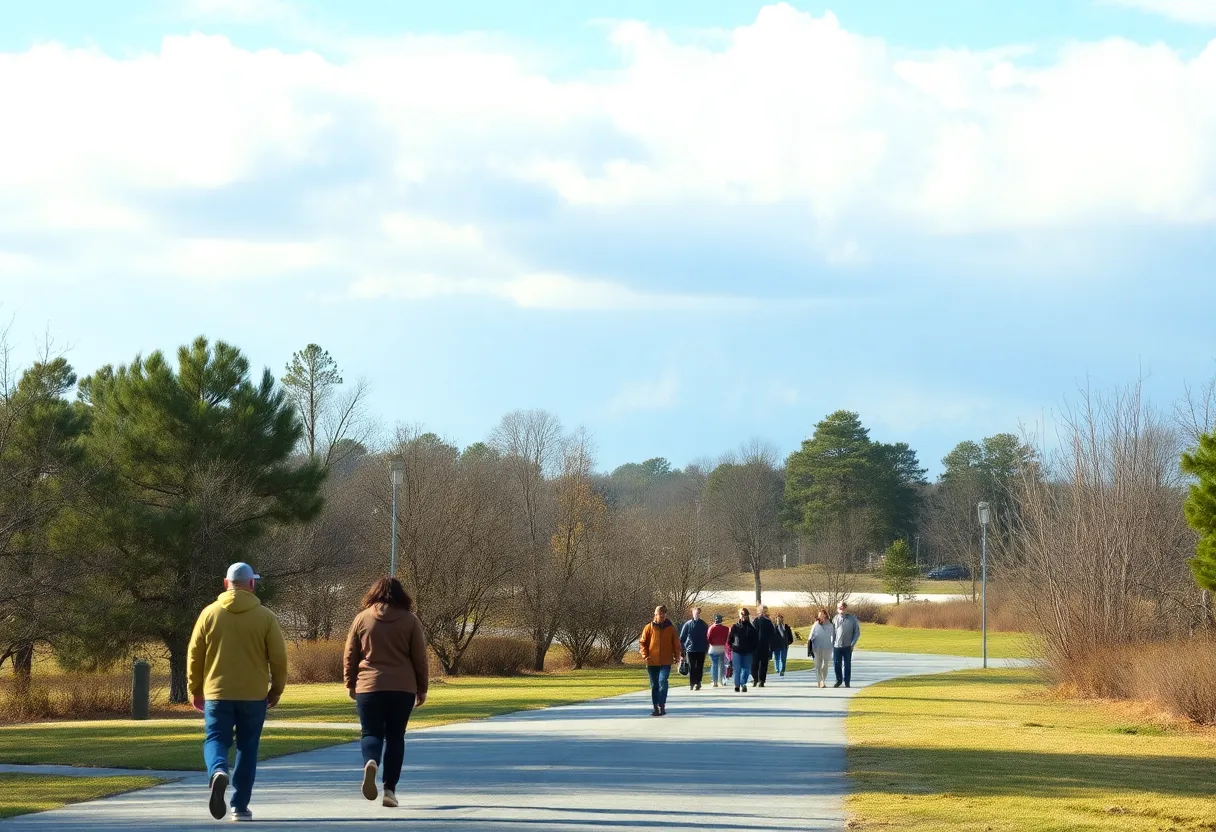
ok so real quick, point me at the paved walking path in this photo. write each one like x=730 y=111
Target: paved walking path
x=769 y=759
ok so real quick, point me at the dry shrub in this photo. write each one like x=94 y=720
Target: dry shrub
x=74 y=696
x=496 y=656
x=315 y=661
x=867 y=612
x=1177 y=676
x=956 y=615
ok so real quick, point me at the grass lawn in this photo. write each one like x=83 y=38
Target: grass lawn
x=177 y=745
x=993 y=751
x=798 y=578
x=887 y=639
x=459 y=699
x=21 y=794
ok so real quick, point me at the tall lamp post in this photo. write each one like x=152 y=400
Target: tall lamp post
x=396 y=473
x=983 y=510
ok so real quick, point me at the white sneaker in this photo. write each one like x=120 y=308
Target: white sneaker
x=369 y=779
x=242 y=816
x=390 y=798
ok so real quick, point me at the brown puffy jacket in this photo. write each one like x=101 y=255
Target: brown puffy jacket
x=659 y=644
x=385 y=650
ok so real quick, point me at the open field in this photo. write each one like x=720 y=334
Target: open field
x=799 y=578
x=994 y=750
x=885 y=638
x=21 y=794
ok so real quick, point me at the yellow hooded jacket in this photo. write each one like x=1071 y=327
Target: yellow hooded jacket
x=237 y=651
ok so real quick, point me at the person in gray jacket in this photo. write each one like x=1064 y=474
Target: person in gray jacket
x=848 y=630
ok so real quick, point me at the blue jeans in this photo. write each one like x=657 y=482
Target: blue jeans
x=221 y=717
x=743 y=666
x=844 y=664
x=717 y=667
x=779 y=657
x=658 y=683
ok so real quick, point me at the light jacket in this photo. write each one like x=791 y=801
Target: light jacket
x=237 y=651
x=658 y=644
x=694 y=635
x=848 y=630
x=385 y=650
x=822 y=637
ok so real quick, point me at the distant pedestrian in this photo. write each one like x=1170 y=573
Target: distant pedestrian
x=694 y=636
x=848 y=630
x=766 y=637
x=236 y=668
x=742 y=645
x=661 y=649
x=717 y=638
x=385 y=672
x=819 y=645
x=783 y=637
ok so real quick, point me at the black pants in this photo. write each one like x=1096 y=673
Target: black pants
x=384 y=715
x=760 y=661
x=696 y=669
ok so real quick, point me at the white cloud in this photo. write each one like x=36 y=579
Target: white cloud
x=543 y=291
x=846 y=138
x=661 y=393
x=1187 y=11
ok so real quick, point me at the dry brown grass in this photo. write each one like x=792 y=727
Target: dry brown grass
x=76 y=696
x=1179 y=677
x=315 y=661
x=497 y=656
x=956 y=615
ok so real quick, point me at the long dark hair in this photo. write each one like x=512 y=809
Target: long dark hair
x=387 y=590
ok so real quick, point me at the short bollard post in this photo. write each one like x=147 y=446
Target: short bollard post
x=141 y=689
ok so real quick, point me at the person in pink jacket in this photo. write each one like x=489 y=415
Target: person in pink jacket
x=719 y=650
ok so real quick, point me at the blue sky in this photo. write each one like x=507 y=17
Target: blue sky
x=682 y=225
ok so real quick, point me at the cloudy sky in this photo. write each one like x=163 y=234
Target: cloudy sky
x=681 y=224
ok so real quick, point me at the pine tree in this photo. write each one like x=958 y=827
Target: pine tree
x=1201 y=509
x=310 y=381
x=899 y=571
x=196 y=468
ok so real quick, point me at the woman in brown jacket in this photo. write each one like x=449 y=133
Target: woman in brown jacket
x=385 y=671
x=661 y=649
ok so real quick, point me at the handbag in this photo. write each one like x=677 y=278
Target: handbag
x=683 y=666
x=730 y=670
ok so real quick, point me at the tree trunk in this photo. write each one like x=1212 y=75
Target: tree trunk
x=23 y=668
x=756 y=579
x=178 y=646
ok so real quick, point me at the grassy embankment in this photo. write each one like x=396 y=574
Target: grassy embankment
x=997 y=751
x=21 y=794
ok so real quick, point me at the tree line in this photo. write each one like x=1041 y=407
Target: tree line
x=124 y=494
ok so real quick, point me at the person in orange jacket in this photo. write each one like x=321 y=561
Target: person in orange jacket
x=661 y=649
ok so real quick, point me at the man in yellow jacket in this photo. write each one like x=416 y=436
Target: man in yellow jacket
x=661 y=649
x=236 y=668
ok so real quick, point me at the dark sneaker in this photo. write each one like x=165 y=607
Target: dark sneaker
x=838 y=684
x=219 y=801
x=654 y=711
x=242 y=816
x=745 y=688
x=847 y=685
x=369 y=779
x=662 y=710
x=736 y=688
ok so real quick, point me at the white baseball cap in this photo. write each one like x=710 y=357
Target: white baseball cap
x=242 y=572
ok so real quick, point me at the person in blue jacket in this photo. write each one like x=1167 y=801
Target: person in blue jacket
x=694 y=635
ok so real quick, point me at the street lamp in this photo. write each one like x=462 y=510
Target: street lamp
x=396 y=473
x=984 y=514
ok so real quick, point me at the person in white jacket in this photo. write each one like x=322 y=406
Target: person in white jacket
x=819 y=645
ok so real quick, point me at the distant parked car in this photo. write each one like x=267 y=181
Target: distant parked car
x=948 y=573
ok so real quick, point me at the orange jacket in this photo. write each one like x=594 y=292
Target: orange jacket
x=659 y=644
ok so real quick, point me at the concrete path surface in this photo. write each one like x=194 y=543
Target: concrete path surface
x=771 y=759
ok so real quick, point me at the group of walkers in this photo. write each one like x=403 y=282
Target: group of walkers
x=237 y=669
x=742 y=652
